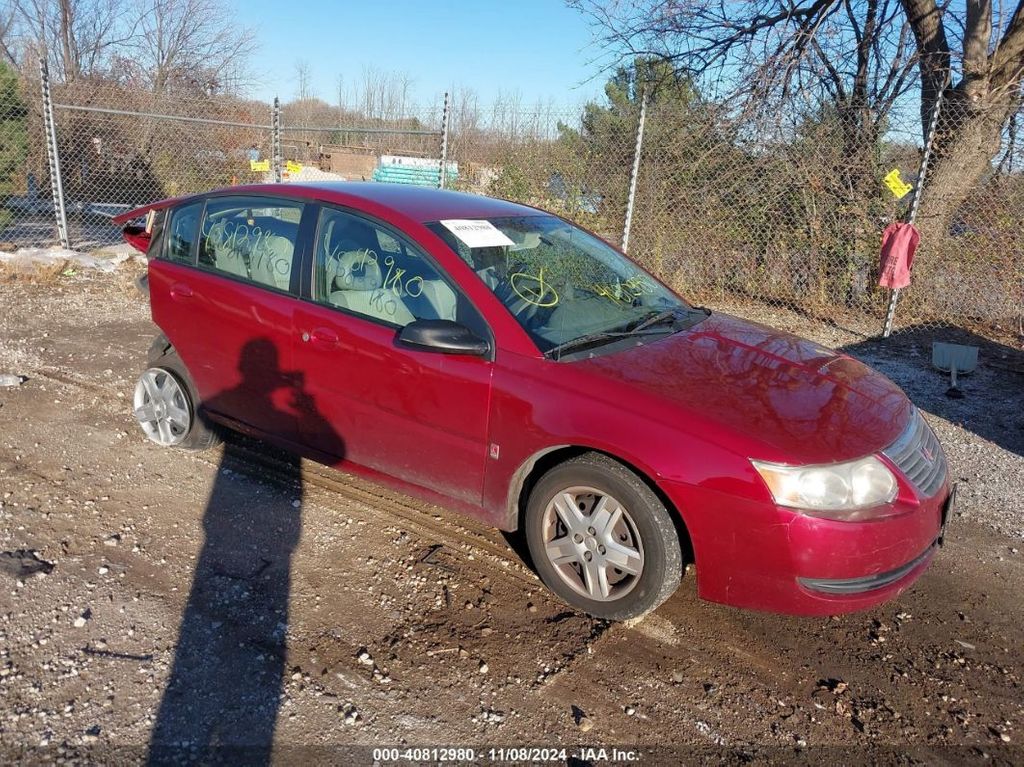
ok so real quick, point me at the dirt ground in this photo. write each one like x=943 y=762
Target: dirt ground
x=238 y=598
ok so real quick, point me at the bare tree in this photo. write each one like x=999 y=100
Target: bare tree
x=859 y=53
x=190 y=45
x=383 y=95
x=164 y=45
x=978 y=105
x=304 y=79
x=78 y=37
x=7 y=35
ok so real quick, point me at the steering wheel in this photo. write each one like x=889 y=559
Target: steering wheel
x=528 y=296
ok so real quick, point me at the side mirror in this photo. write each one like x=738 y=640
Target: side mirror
x=443 y=336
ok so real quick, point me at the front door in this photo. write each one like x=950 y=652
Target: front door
x=418 y=416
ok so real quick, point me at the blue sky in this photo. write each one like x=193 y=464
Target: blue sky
x=538 y=48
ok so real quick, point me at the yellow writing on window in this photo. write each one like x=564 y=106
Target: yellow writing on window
x=625 y=292
x=534 y=290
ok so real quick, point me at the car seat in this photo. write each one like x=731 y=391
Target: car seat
x=271 y=262
x=442 y=299
x=226 y=258
x=358 y=285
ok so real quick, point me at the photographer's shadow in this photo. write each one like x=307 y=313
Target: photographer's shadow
x=222 y=698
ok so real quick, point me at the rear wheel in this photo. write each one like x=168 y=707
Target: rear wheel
x=601 y=539
x=167 y=408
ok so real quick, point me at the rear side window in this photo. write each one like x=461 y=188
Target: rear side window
x=251 y=238
x=181 y=234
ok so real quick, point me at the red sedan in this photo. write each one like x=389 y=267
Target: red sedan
x=496 y=358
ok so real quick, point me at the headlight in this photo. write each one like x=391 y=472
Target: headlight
x=832 y=491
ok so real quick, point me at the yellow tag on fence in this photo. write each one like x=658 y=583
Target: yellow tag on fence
x=896 y=185
x=259 y=166
x=293 y=167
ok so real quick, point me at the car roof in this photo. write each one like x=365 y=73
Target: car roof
x=416 y=202
x=421 y=203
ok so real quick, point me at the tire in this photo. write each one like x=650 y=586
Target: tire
x=167 y=371
x=644 y=527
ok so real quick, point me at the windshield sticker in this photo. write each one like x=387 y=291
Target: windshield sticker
x=477 y=233
x=533 y=289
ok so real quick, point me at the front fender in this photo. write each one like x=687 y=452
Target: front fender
x=533 y=417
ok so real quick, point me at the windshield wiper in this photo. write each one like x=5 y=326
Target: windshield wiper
x=675 y=315
x=655 y=318
x=641 y=328
x=595 y=339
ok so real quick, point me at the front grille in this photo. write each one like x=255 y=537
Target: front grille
x=918 y=454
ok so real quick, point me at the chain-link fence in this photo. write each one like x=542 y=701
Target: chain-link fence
x=731 y=210
x=122 y=149
x=119 y=148
x=783 y=213
x=26 y=206
x=970 y=269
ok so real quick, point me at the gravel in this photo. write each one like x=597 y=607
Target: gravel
x=357 y=630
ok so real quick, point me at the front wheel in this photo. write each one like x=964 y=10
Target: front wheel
x=601 y=539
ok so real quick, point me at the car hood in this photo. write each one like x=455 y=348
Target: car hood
x=769 y=394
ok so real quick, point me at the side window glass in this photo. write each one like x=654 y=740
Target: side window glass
x=251 y=238
x=366 y=269
x=182 y=233
x=156 y=234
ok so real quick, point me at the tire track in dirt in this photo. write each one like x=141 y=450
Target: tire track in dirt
x=260 y=461
x=475 y=546
x=694 y=672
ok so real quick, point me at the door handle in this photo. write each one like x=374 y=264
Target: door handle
x=181 y=290
x=324 y=336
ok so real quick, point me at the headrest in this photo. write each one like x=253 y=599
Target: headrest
x=350 y=234
x=278 y=245
x=525 y=240
x=357 y=271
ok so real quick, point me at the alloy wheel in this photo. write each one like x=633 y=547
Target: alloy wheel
x=593 y=543
x=161 y=407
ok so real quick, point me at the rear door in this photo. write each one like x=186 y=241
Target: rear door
x=224 y=293
x=418 y=416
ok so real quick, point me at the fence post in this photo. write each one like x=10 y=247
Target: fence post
x=635 y=172
x=53 y=156
x=275 y=139
x=890 y=312
x=442 y=177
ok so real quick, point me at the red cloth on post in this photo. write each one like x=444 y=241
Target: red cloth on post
x=899 y=243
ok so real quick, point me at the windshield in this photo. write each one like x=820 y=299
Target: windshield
x=560 y=283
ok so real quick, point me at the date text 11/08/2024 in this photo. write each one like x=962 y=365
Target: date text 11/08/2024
x=533 y=754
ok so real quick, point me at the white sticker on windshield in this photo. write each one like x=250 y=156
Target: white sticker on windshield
x=477 y=233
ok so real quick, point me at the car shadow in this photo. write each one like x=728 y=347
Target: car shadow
x=225 y=684
x=993 y=395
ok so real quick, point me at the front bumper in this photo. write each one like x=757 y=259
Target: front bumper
x=868 y=583
x=761 y=556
